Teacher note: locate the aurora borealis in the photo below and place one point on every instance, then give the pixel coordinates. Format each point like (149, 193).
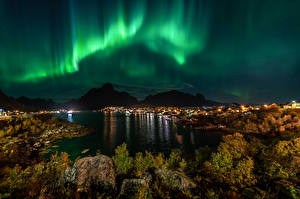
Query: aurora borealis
(233, 50)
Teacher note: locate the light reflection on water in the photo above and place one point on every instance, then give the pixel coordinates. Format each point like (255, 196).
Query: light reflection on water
(70, 117)
(139, 131)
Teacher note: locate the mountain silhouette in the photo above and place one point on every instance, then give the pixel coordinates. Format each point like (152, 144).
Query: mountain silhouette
(177, 98)
(9, 103)
(98, 98)
(105, 96)
(38, 103)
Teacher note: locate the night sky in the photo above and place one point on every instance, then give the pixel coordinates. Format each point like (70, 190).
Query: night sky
(229, 50)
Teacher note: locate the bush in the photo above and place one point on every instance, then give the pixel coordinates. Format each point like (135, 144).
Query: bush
(142, 164)
(21, 183)
(281, 159)
(182, 164)
(160, 162)
(211, 194)
(122, 160)
(2, 133)
(143, 193)
(232, 163)
(175, 158)
(201, 155)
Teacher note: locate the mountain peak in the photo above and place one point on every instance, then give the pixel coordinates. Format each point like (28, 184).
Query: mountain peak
(107, 86)
(105, 96)
(10, 103)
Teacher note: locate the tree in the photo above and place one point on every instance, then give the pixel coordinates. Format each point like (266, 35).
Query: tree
(122, 160)
(232, 164)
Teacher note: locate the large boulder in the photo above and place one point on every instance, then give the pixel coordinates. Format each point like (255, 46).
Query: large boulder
(131, 187)
(175, 180)
(96, 171)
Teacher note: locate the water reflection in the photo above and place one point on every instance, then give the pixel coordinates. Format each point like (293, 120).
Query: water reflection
(179, 138)
(166, 130)
(140, 131)
(127, 126)
(70, 117)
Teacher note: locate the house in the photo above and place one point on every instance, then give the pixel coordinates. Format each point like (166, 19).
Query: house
(292, 105)
(295, 105)
(2, 112)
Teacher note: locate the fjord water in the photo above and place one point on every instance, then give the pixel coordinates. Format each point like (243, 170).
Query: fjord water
(140, 132)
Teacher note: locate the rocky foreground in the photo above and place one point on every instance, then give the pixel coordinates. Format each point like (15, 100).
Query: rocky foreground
(24, 139)
(244, 165)
(99, 172)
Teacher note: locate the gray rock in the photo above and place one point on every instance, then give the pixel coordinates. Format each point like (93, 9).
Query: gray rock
(130, 187)
(175, 180)
(85, 151)
(91, 171)
(37, 145)
(147, 177)
(70, 175)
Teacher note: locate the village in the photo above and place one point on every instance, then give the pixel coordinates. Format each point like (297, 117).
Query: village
(193, 111)
(167, 112)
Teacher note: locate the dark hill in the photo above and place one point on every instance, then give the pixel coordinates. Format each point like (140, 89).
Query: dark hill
(38, 103)
(9, 103)
(105, 96)
(177, 98)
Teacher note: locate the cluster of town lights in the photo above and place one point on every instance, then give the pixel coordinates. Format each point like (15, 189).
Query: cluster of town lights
(169, 111)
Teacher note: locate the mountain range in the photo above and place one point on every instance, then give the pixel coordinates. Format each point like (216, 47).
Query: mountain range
(38, 103)
(177, 98)
(9, 103)
(97, 98)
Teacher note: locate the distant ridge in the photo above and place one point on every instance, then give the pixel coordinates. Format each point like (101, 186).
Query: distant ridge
(177, 98)
(9, 103)
(107, 96)
(38, 103)
(97, 98)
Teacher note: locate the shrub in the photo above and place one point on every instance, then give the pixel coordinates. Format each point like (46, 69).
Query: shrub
(281, 159)
(21, 183)
(211, 194)
(293, 192)
(175, 158)
(2, 133)
(122, 160)
(182, 164)
(142, 164)
(160, 162)
(201, 155)
(143, 193)
(232, 164)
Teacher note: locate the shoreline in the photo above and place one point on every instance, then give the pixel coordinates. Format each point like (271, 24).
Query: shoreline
(25, 140)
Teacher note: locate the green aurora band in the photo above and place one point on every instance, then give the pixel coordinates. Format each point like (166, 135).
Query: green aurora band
(154, 43)
(95, 29)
